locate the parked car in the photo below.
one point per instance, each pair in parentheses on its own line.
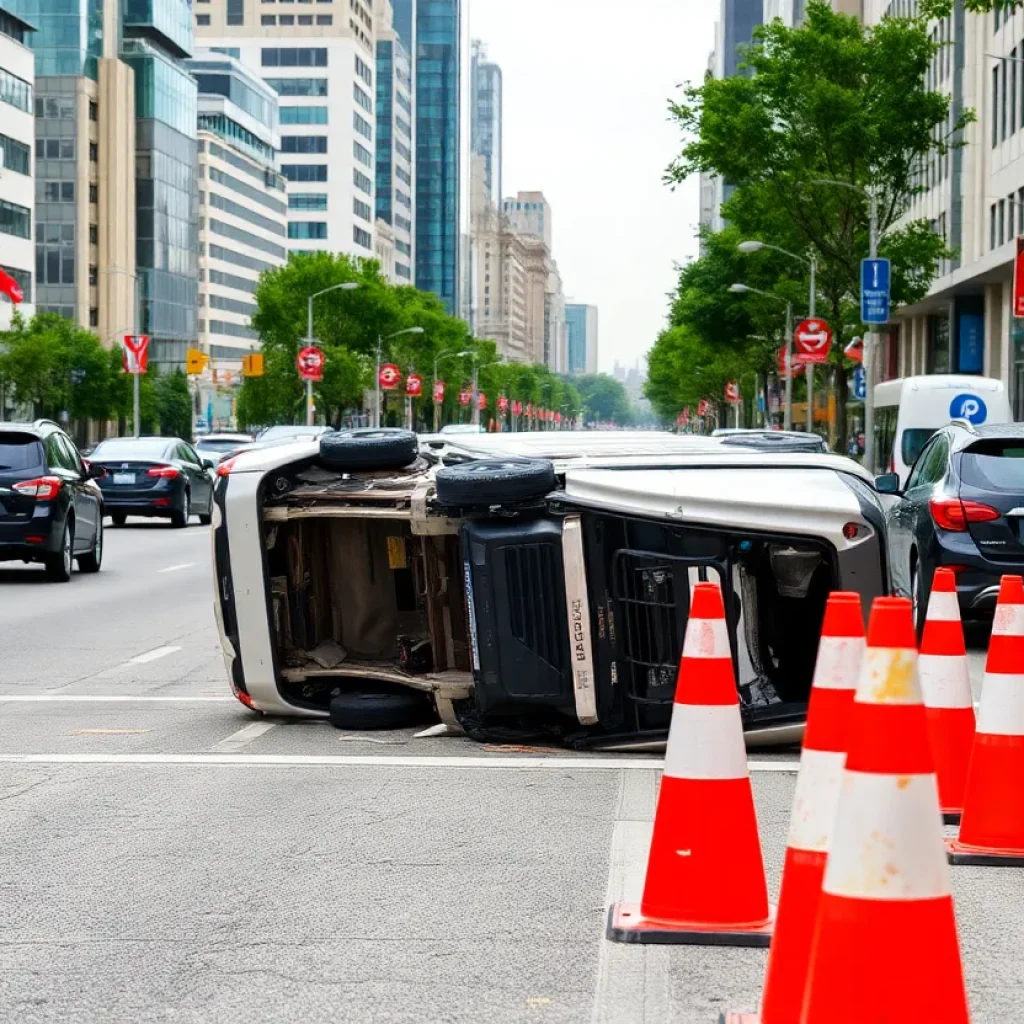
(771,440)
(290,431)
(962,507)
(161,477)
(218,446)
(536,585)
(51,510)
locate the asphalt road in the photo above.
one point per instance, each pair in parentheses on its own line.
(167,856)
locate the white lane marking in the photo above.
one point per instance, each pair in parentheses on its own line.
(108,698)
(632,981)
(175,568)
(242,738)
(581,763)
(157,652)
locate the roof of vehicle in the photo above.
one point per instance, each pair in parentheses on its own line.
(890,392)
(1007,430)
(241,438)
(40,427)
(574,444)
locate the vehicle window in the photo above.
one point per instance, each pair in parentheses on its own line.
(74,460)
(994,466)
(219,446)
(885,435)
(56,456)
(914,440)
(144,448)
(931,466)
(189,455)
(20,451)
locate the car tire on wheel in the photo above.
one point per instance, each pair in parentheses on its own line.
(381,707)
(369,448)
(918,599)
(205,518)
(494,481)
(180,516)
(59,564)
(119,518)
(92,560)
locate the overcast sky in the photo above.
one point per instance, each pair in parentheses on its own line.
(586,87)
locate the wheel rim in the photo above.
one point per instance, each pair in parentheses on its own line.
(97,551)
(915,592)
(184,507)
(66,553)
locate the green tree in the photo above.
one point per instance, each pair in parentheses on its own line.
(173,404)
(832,100)
(604,399)
(942,8)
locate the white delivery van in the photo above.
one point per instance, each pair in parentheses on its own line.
(908,411)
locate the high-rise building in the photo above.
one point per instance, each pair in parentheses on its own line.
(322,64)
(529,213)
(581,324)
(432,33)
(17,183)
(115,187)
(485,113)
(242,204)
(395,185)
(555,333)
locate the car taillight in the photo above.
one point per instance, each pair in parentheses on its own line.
(954,514)
(165,472)
(45,488)
(224,469)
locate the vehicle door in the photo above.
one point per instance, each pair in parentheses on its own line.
(60,465)
(86,497)
(199,479)
(920,527)
(904,515)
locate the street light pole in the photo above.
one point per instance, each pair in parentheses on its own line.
(869,350)
(346,286)
(475,413)
(809,367)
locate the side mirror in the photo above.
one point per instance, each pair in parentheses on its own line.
(92,471)
(209,464)
(888,483)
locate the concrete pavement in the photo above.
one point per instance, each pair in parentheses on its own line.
(208,865)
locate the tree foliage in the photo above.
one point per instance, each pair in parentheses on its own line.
(942,8)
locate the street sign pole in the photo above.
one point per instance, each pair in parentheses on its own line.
(788,415)
(809,369)
(309,381)
(869,351)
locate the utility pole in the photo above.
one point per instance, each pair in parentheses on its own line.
(788,414)
(869,351)
(309,344)
(810,366)
(475,417)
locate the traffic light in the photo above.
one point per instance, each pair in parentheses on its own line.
(195,361)
(252,365)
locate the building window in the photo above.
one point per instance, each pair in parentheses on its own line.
(363,238)
(362,98)
(202,20)
(94,234)
(94,152)
(298,86)
(94,112)
(1013,90)
(361,209)
(303,143)
(307,229)
(361,153)
(995,105)
(303,115)
(94,317)
(294,57)
(93,274)
(308,201)
(236,12)
(362,182)
(17,156)
(362,126)
(364,72)
(324,19)
(305,19)
(15,91)
(94,193)
(15,220)
(304,172)
(287,19)
(268,19)
(1002,221)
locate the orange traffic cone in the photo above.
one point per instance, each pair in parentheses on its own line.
(705,880)
(992,827)
(885,943)
(836,672)
(946,685)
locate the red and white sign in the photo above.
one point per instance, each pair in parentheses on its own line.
(310,363)
(414,385)
(732,392)
(10,287)
(389,376)
(465,397)
(439,391)
(702,408)
(855,350)
(1018,279)
(135,355)
(502,403)
(813,340)
(481,400)
(517,408)
(798,365)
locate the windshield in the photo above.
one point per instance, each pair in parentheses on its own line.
(914,441)
(132,448)
(20,451)
(221,444)
(994,466)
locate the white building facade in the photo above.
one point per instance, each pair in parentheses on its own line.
(321,62)
(17,179)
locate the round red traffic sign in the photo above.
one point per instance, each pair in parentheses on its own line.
(813,340)
(439,391)
(310,363)
(414,385)
(389,376)
(732,391)
(502,403)
(465,397)
(798,364)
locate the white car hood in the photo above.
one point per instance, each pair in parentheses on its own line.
(812,502)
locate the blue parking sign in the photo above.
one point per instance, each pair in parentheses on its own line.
(875,278)
(860,384)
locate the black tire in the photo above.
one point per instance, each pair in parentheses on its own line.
(205,518)
(58,566)
(119,518)
(369,448)
(381,708)
(92,560)
(180,516)
(494,481)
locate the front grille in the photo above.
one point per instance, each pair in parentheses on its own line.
(535,600)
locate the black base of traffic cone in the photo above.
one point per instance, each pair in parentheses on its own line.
(627,924)
(969,855)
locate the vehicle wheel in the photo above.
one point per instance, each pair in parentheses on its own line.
(92,561)
(369,448)
(381,708)
(58,566)
(918,599)
(205,518)
(119,518)
(179,517)
(494,481)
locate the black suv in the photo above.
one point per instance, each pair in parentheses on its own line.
(50,509)
(963,508)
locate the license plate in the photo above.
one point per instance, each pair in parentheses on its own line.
(124,478)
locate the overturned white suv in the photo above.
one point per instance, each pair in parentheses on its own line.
(530,587)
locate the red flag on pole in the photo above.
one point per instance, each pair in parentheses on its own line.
(10,287)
